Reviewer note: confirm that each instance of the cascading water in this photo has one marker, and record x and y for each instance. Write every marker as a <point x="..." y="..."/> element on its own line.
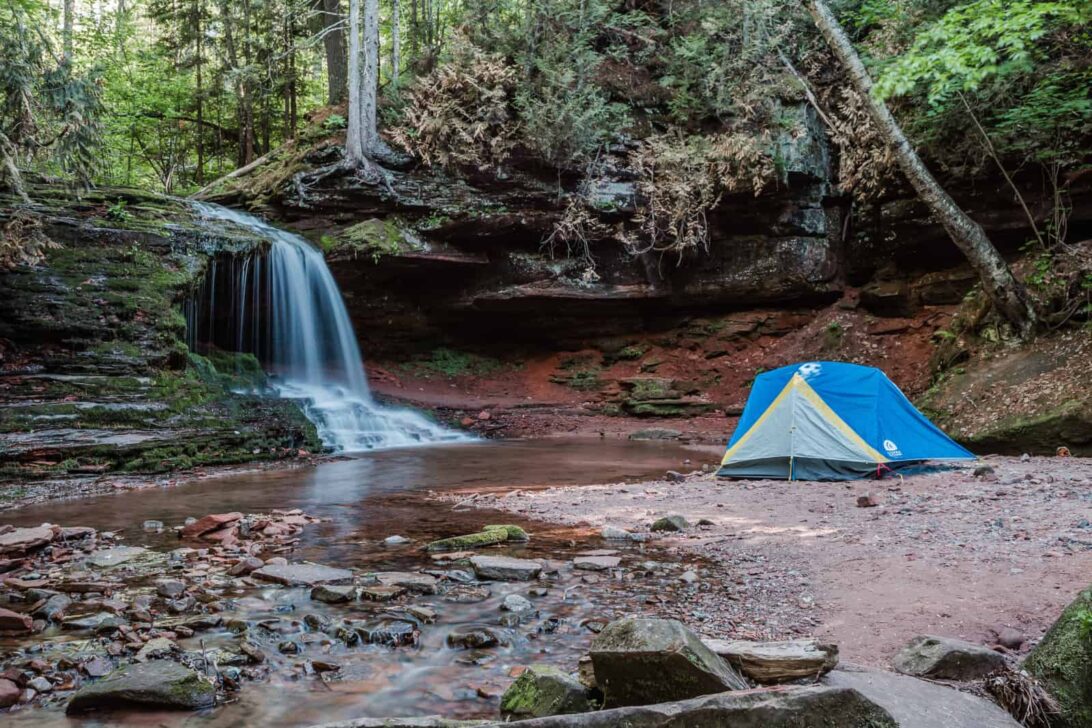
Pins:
<point x="306" y="340"/>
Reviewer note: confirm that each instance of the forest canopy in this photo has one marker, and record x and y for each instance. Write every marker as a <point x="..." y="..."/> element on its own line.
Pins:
<point x="170" y="94"/>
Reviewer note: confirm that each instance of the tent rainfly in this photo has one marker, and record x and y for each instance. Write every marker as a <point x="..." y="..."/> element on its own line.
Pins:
<point x="830" y="421"/>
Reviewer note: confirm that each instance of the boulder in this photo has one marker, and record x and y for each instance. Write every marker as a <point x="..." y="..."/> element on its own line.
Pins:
<point x="212" y="522"/>
<point x="54" y="608"/>
<point x="15" y="623"/>
<point x="473" y="637"/>
<point x="155" y="648"/>
<point x="670" y="523"/>
<point x="469" y="542"/>
<point x="467" y="594"/>
<point x="387" y="631"/>
<point x="505" y="568"/>
<point x="302" y="574"/>
<point x="774" y="662"/>
<point x="380" y="593"/>
<point x="947" y="659"/>
<point x="426" y="721"/>
<point x="916" y="703"/>
<point x="333" y="594"/>
<point x="517" y="604"/>
<point x="160" y="684"/>
<point x="777" y="707"/>
<point x="1062" y="661"/>
<point x="543" y="690"/>
<point x="596" y="563"/>
<point x="643" y="661"/>
<point x="9" y="693"/>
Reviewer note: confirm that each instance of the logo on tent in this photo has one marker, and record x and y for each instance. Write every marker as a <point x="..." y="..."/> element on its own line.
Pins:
<point x="809" y="370"/>
<point x="892" y="448"/>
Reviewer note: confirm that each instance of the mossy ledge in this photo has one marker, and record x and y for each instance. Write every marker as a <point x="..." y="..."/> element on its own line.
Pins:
<point x="95" y="375"/>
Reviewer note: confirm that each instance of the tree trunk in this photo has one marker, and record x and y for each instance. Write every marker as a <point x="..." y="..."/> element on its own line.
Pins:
<point x="66" y="32"/>
<point x="396" y="44"/>
<point x="327" y="22"/>
<point x="370" y="81"/>
<point x="1008" y="295"/>
<point x="354" y="137"/>
<point x="198" y="97"/>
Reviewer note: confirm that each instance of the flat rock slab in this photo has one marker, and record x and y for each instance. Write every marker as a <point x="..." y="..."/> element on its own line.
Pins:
<point x="947" y="659"/>
<point x="774" y="662"/>
<point x="159" y="684"/>
<point x="409" y="580"/>
<point x="114" y="557"/>
<point x="505" y="568"/>
<point x="302" y="574"/>
<point x="916" y="703"/>
<point x="596" y="563"/>
<point x="427" y="721"/>
<point x="25" y="539"/>
<point x="777" y="707"/>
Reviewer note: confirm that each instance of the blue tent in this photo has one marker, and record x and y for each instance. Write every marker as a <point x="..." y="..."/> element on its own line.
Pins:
<point x="830" y="421"/>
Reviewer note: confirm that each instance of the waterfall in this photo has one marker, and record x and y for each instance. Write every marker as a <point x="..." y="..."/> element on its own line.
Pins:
<point x="305" y="340"/>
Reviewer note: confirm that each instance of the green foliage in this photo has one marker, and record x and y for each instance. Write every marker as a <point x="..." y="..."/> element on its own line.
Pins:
<point x="50" y="112"/>
<point x="1083" y="618"/>
<point x="334" y="122"/>
<point x="117" y="211"/>
<point x="722" y="59"/>
<point x="449" y="363"/>
<point x="976" y="42"/>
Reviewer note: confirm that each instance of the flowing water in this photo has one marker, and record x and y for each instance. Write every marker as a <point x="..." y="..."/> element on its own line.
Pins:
<point x="366" y="498"/>
<point x="306" y="339"/>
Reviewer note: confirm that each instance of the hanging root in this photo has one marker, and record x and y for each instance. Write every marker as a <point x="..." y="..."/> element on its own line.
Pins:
<point x="1024" y="697"/>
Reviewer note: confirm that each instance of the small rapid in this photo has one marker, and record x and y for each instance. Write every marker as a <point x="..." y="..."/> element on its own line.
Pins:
<point x="306" y="340"/>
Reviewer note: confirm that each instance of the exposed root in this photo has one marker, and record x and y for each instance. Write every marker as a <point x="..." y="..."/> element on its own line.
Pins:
<point x="1024" y="697"/>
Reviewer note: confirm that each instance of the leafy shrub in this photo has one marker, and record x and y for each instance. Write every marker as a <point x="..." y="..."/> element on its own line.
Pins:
<point x="564" y="117"/>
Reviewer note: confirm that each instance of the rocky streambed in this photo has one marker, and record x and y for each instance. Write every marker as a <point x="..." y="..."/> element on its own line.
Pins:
<point x="298" y="616"/>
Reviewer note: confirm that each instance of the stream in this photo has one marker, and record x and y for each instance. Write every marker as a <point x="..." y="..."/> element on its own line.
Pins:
<point x="362" y="500"/>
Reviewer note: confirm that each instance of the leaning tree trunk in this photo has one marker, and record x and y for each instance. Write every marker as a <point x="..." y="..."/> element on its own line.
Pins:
<point x="354" y="137"/>
<point x="369" y="84"/>
<point x="1007" y="294"/>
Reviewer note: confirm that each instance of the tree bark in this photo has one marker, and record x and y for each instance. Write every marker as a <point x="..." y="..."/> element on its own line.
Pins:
<point x="354" y="137"/>
<point x="1007" y="294"/>
<point x="396" y="43"/>
<point x="199" y="96"/>
<point x="327" y="22"/>
<point x="66" y="31"/>
<point x="370" y="80"/>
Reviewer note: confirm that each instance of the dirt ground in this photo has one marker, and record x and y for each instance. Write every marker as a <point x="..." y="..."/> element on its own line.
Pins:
<point x="943" y="552"/>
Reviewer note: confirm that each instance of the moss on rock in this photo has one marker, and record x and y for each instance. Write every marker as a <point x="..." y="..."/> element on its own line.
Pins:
<point x="1063" y="662"/>
<point x="98" y="372"/>
<point x="544" y="690"/>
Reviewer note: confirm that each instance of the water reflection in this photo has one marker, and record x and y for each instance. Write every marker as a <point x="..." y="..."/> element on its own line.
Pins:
<point x="366" y="499"/>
